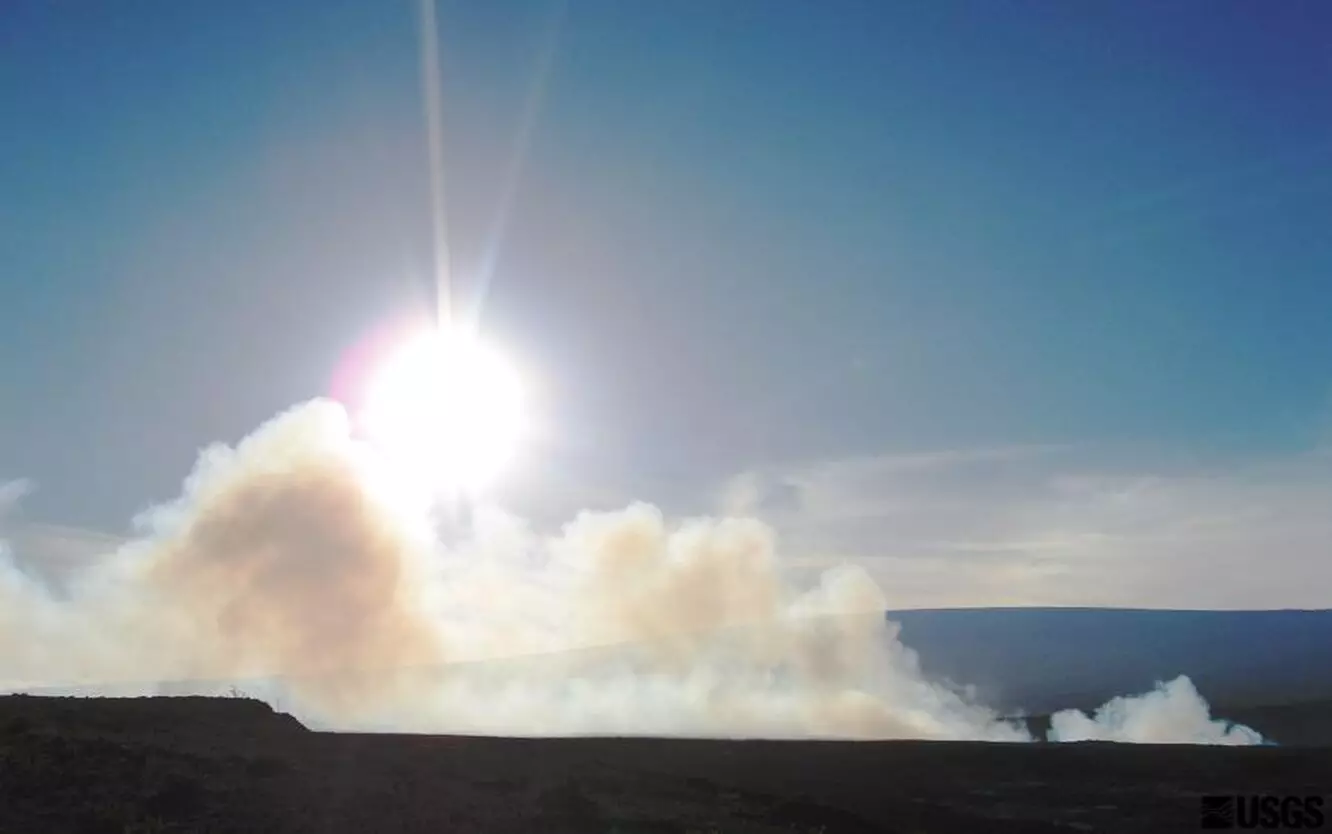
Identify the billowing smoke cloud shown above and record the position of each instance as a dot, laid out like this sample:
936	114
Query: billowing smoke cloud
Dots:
293	565
1172	713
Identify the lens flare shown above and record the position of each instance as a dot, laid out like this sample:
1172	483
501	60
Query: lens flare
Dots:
446	410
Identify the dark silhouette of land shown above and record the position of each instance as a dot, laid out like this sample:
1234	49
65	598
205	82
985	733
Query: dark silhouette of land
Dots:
153	765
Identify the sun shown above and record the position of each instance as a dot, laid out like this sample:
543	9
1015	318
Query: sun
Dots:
446	410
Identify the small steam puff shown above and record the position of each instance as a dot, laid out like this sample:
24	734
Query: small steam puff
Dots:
293	565
1172	713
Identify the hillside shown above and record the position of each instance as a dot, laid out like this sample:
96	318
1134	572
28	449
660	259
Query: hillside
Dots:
125	766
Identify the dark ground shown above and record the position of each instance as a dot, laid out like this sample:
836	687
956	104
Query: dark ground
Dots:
145	766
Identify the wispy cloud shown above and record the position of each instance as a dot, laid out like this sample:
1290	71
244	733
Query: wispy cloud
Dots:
877	485
1039	525
1015	525
50	553
11	492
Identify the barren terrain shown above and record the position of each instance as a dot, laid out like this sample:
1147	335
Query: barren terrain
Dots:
232	765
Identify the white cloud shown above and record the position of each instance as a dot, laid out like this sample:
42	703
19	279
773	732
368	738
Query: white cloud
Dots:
11	492
1041	526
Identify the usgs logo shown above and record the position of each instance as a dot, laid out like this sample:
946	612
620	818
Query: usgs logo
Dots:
1262	812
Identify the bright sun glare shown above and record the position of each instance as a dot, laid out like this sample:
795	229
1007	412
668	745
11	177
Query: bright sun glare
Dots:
446	409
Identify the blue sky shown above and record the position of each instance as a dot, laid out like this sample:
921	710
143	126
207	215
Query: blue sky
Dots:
745	242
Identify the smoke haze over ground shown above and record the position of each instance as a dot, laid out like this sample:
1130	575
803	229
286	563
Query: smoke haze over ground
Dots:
295	558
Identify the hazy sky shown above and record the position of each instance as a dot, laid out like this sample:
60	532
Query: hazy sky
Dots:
1035	294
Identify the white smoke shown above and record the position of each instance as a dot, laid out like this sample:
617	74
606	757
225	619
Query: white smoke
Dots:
294	566
1172	713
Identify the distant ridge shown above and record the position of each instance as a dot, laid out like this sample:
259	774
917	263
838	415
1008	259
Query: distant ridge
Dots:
1037	660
